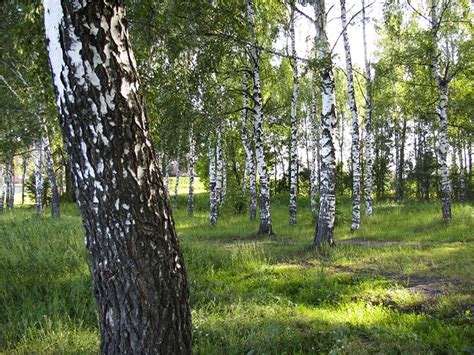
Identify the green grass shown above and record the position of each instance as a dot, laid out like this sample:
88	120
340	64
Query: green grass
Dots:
401	284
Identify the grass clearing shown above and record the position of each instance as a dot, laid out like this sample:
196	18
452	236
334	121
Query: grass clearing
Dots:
402	283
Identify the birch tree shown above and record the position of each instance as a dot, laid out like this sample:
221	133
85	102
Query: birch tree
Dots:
249	170
2	188
10	169
293	122
212	183
327	204
265	227
55	212
355	124
219	171
38	171
191	171
368	121
443	74
136	264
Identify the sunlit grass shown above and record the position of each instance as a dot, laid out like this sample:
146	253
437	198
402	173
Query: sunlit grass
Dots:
260	295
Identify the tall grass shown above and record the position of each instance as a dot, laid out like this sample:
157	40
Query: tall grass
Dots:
259	295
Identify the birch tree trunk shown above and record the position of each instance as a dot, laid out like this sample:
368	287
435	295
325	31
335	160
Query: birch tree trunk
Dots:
23	177
178	173
11	185
368	122
55	211
293	123
327	204
136	264
192	162
245	143
401	161
442	112
355	125
212	183
314	139
462	174
219	171
3	187
38	171
254	56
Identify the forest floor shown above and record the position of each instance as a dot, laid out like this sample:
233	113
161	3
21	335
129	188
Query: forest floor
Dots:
403	283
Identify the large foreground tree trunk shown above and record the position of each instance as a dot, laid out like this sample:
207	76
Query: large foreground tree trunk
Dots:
327	204
137	267
254	56
355	125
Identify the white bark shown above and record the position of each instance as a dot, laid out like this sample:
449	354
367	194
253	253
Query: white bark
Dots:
314	144
293	124
192	162
355	124
327	206
10	185
212	183
368	123
254	57
219	171
2	188
463	175
178	173
55	212
442	111
249	171
245	143
38	171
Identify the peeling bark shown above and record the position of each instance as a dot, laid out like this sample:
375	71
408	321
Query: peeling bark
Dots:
136	263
